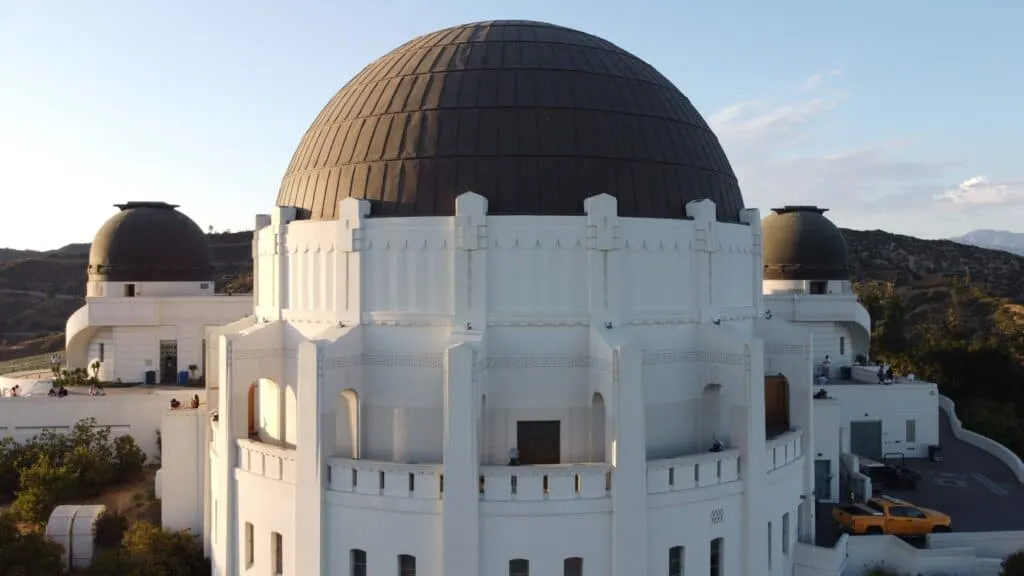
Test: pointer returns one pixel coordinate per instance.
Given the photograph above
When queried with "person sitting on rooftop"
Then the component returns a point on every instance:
(175, 404)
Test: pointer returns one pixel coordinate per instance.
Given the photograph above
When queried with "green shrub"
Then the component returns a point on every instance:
(110, 530)
(149, 550)
(27, 554)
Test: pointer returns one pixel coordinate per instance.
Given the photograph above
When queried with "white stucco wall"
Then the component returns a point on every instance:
(130, 331)
(135, 412)
(827, 424)
(893, 405)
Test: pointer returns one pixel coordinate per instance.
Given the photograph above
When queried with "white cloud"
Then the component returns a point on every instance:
(774, 152)
(815, 81)
(980, 191)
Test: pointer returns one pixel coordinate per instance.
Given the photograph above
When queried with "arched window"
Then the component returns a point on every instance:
(406, 565)
(676, 559)
(519, 567)
(572, 566)
(357, 561)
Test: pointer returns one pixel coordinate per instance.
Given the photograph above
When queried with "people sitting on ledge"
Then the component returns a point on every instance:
(96, 390)
(62, 393)
(513, 456)
(52, 392)
(175, 404)
(716, 445)
(195, 402)
(821, 394)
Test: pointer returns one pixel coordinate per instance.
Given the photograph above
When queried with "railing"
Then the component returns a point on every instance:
(693, 471)
(535, 483)
(423, 481)
(266, 460)
(783, 449)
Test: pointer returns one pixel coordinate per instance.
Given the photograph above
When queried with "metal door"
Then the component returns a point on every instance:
(866, 439)
(539, 442)
(823, 479)
(168, 361)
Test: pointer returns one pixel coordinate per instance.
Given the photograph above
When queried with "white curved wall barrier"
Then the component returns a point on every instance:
(981, 442)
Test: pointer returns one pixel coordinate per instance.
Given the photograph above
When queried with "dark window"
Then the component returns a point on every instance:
(277, 552)
(676, 558)
(842, 345)
(406, 565)
(572, 566)
(785, 533)
(129, 290)
(103, 351)
(818, 287)
(518, 567)
(539, 442)
(716, 556)
(250, 546)
(357, 558)
(769, 545)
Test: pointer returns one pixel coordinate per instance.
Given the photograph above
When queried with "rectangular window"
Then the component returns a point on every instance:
(572, 566)
(129, 290)
(406, 565)
(676, 561)
(785, 533)
(357, 559)
(250, 547)
(518, 567)
(769, 545)
(277, 552)
(716, 556)
(911, 431)
(842, 345)
(818, 287)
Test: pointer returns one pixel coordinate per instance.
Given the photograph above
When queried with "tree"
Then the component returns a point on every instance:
(148, 550)
(27, 554)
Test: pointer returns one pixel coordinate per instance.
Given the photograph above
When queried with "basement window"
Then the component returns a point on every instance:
(129, 290)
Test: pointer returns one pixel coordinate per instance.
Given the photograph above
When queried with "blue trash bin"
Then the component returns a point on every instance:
(183, 377)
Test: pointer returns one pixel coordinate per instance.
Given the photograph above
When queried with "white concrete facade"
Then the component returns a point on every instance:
(123, 326)
(391, 362)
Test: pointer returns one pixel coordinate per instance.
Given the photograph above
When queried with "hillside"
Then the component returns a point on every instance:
(1012, 242)
(39, 290)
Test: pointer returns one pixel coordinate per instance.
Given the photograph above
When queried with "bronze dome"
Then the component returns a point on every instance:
(532, 116)
(800, 243)
(150, 242)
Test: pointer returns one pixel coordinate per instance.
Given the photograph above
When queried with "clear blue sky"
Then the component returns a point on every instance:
(905, 115)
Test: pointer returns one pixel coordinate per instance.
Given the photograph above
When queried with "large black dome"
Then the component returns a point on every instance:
(800, 243)
(532, 116)
(150, 242)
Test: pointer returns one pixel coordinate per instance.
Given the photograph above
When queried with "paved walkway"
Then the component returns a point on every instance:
(975, 488)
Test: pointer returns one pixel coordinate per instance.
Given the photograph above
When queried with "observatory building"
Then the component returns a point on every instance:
(149, 298)
(509, 319)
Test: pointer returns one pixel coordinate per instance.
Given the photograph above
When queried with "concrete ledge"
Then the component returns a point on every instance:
(1004, 454)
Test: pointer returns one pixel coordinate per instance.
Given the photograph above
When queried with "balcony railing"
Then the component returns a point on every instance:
(693, 471)
(266, 460)
(535, 483)
(783, 449)
(423, 481)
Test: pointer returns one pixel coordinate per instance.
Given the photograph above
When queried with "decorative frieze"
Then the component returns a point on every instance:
(264, 354)
(432, 361)
(652, 357)
(517, 361)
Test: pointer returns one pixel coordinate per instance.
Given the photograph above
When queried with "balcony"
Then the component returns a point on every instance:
(538, 483)
(418, 481)
(266, 460)
(784, 449)
(693, 471)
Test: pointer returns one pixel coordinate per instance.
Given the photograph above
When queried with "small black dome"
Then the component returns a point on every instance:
(800, 243)
(150, 242)
(532, 116)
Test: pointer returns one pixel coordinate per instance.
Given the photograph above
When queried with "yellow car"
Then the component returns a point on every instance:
(888, 515)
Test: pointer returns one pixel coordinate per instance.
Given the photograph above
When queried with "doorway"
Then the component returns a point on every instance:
(776, 405)
(823, 479)
(168, 361)
(539, 441)
(866, 439)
